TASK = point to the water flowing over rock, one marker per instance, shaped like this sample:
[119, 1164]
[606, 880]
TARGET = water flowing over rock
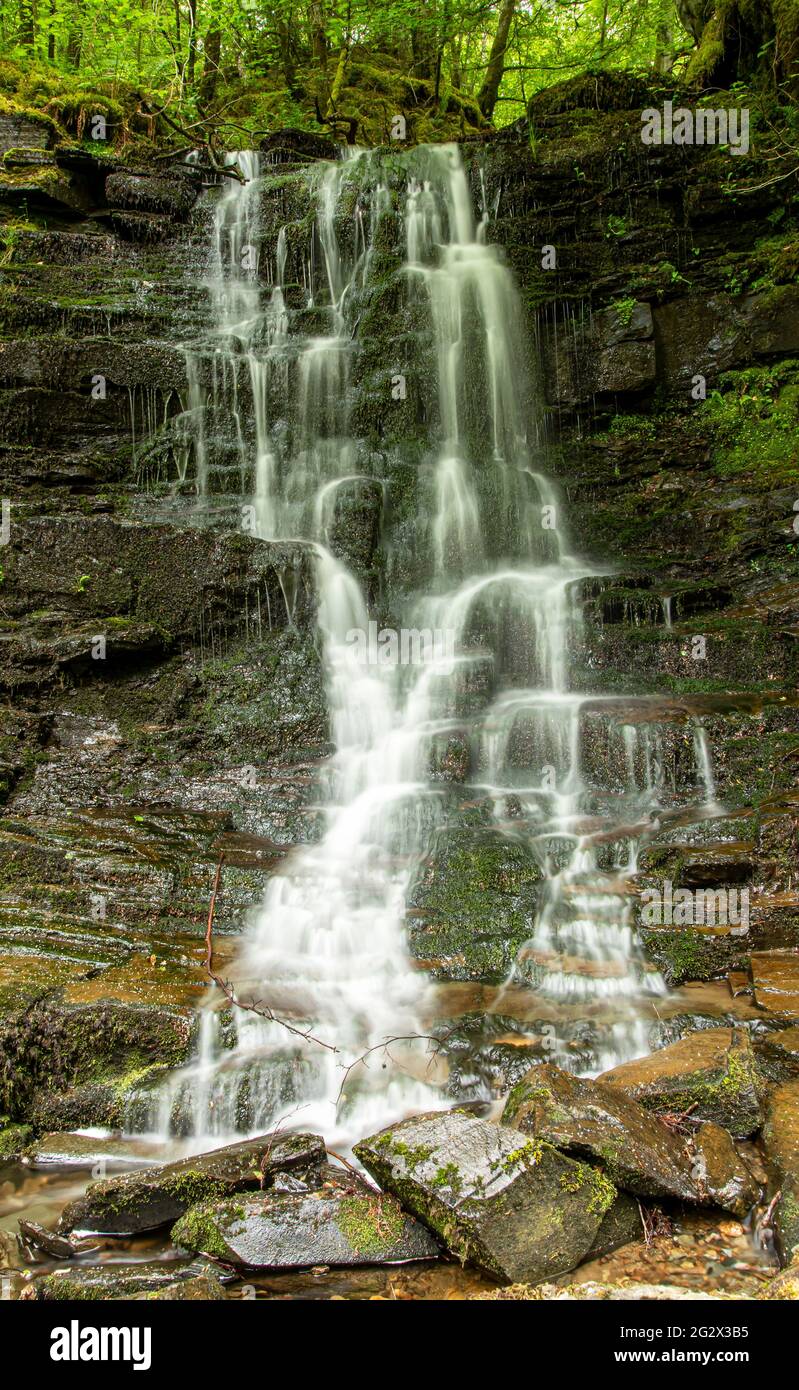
[468, 677]
[515, 1207]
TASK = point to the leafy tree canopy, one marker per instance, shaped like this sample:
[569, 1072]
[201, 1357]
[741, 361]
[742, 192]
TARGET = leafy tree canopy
[349, 66]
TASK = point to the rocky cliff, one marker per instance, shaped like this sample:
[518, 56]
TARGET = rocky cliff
[162, 700]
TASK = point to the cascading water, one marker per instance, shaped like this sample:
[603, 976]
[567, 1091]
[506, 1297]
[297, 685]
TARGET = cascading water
[327, 949]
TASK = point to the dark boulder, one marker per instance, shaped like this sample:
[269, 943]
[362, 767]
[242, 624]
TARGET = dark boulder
[601, 1123]
[515, 1207]
[144, 1201]
[713, 1074]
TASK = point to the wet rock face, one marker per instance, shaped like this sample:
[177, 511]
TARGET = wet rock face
[143, 587]
[585, 1118]
[515, 1207]
[721, 1174]
[778, 1054]
[54, 1039]
[144, 1201]
[713, 1074]
[781, 1140]
[343, 1224]
[473, 904]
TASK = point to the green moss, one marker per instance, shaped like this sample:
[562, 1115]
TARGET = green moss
[62, 1288]
[624, 310]
[527, 1156]
[20, 111]
[370, 1225]
[754, 420]
[198, 1229]
[13, 1139]
[686, 954]
[412, 1156]
[449, 1176]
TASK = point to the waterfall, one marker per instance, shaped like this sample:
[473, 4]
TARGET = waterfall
[498, 577]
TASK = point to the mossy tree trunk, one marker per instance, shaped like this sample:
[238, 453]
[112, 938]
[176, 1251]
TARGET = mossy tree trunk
[27, 23]
[423, 38]
[316, 17]
[212, 51]
[664, 38]
[487, 96]
[744, 41]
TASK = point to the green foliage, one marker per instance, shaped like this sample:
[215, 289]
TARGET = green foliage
[624, 310]
[754, 420]
[311, 63]
[178, 70]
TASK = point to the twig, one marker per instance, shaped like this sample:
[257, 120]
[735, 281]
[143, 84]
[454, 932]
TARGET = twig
[384, 1046]
[359, 1175]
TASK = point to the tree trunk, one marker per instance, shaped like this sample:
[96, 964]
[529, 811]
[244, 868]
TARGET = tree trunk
[487, 96]
[664, 38]
[212, 49]
[603, 32]
[318, 36]
[423, 39]
[27, 26]
[75, 41]
[285, 41]
[742, 42]
[192, 54]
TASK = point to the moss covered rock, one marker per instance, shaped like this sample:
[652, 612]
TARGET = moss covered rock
[336, 1226]
[603, 1124]
[98, 1283]
[514, 1206]
[144, 1201]
[713, 1074]
[474, 903]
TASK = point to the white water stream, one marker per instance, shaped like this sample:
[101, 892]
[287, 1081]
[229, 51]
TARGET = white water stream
[328, 947]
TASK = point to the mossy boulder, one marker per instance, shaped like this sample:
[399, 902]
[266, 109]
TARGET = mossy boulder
[713, 1074]
[339, 1225]
[513, 1206]
[98, 1283]
[601, 1123]
[145, 1201]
